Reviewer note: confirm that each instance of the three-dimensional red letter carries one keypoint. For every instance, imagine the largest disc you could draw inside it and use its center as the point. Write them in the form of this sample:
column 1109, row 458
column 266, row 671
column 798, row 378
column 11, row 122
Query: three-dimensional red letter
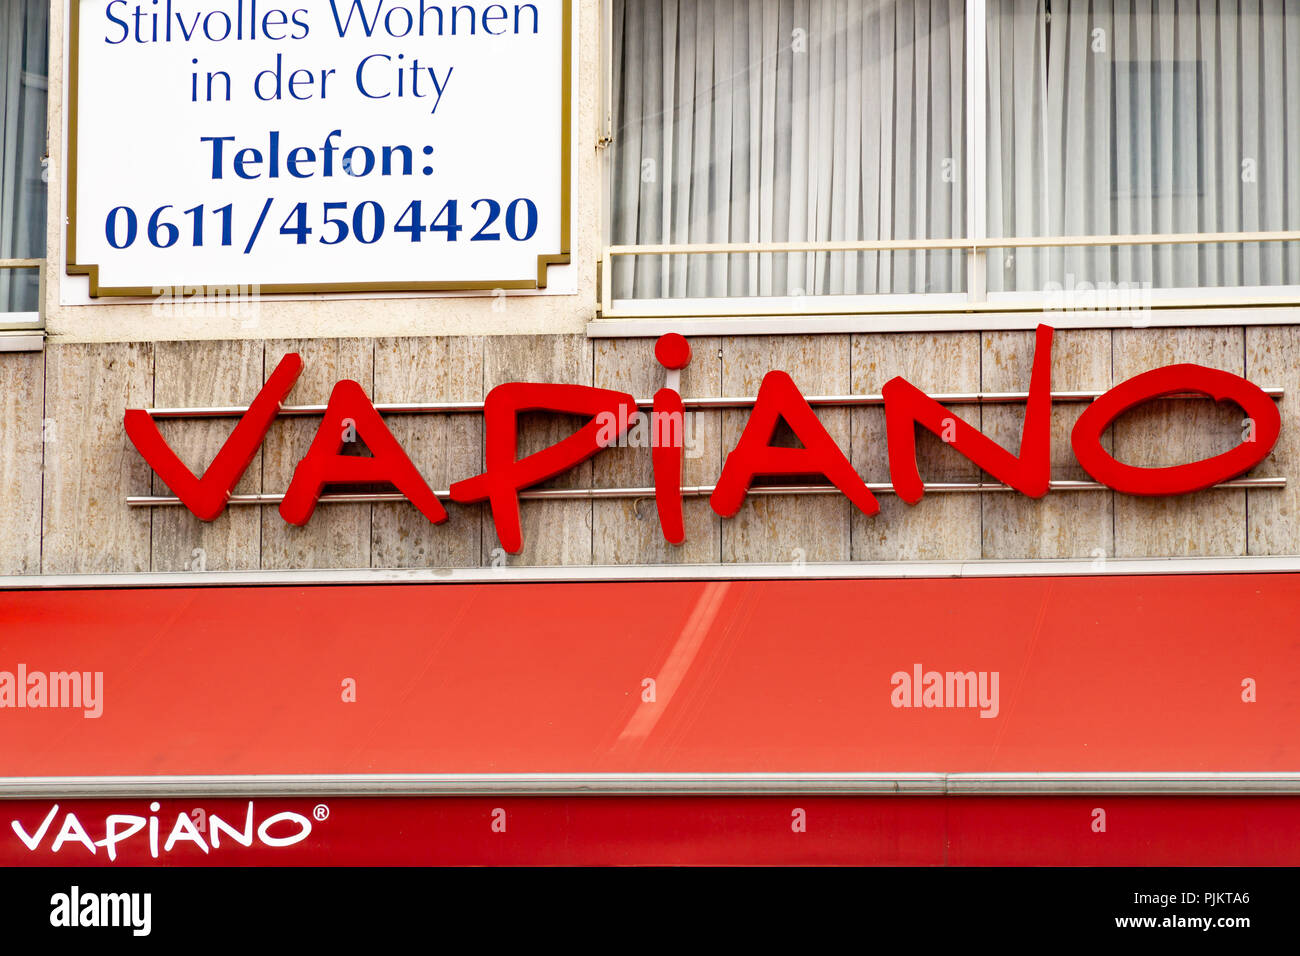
column 1177, row 479
column 506, row 475
column 906, row 406
column 206, row 497
column 779, row 398
column 350, row 411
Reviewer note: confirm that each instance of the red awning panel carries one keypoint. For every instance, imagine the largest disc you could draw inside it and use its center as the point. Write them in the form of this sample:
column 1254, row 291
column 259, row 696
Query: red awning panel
column 663, row 831
column 1102, row 674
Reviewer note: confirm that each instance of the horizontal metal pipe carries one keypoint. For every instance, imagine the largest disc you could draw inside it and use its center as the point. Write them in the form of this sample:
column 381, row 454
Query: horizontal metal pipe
column 695, row 404
column 690, row 491
column 1102, row 566
column 903, row 245
column 555, row 784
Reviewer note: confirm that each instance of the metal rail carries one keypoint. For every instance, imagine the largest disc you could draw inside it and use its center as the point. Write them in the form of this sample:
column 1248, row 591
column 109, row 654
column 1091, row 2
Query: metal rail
column 690, row 491
column 691, row 404
column 504, row 573
column 974, row 299
column 973, row 244
column 598, row 784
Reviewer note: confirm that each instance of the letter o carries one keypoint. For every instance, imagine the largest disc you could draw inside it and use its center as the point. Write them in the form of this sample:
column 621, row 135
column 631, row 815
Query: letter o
column 207, row 26
column 1176, row 479
column 298, row 818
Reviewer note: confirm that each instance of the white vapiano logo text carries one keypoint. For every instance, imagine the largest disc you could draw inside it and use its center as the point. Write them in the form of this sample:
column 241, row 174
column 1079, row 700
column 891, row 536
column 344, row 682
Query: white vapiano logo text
column 946, row 689
column 75, row 908
column 121, row 827
column 37, row 689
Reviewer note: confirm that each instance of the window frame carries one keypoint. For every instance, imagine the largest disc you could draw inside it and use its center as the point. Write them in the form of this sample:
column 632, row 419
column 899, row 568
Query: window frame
column 921, row 311
column 25, row 331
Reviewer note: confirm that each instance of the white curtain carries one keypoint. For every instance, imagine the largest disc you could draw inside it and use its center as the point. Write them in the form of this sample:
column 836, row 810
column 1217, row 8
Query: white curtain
column 788, row 120
column 1135, row 117
column 24, row 42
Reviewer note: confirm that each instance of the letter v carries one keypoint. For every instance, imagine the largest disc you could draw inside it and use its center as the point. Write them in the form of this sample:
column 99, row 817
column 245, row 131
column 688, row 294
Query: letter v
column 32, row 842
column 206, row 497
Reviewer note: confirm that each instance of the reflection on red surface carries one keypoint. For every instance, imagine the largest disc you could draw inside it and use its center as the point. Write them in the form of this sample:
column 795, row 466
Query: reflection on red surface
column 1102, row 674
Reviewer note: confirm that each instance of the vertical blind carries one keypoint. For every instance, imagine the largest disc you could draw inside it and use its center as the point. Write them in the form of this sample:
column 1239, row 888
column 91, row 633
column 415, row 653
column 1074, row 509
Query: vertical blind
column 24, row 41
column 797, row 120
column 1137, row 117
column 788, row 120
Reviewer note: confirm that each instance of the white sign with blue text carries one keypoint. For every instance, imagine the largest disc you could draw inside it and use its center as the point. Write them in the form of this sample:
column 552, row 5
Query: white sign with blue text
column 336, row 146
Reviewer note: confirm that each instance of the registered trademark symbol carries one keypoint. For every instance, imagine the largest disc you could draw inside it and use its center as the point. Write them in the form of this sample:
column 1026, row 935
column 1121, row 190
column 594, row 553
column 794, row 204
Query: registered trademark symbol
column 321, row 812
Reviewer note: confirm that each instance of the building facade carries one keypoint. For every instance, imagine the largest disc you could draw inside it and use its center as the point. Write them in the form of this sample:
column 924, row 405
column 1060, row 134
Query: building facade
column 848, row 191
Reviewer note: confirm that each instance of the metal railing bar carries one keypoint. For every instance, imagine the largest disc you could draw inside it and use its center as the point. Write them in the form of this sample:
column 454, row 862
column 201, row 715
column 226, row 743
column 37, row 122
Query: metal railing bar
column 691, row 404
column 974, row 244
column 690, row 491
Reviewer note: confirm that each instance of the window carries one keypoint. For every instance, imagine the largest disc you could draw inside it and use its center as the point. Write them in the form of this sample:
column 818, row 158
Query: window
column 867, row 155
column 1143, row 117
column 788, row 121
column 24, row 45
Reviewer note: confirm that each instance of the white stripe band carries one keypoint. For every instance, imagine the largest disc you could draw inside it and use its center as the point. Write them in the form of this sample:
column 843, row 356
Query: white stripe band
column 1081, row 567
column 359, row 785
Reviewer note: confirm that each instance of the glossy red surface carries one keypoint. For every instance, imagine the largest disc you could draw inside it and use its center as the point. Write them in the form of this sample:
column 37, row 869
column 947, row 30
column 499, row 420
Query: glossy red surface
column 1102, row 674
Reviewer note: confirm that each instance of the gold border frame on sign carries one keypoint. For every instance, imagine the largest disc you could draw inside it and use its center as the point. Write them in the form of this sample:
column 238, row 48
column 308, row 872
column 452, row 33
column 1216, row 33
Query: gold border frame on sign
column 543, row 261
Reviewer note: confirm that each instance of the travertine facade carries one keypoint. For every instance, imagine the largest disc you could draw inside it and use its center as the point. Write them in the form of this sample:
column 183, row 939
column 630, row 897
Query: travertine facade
column 68, row 465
